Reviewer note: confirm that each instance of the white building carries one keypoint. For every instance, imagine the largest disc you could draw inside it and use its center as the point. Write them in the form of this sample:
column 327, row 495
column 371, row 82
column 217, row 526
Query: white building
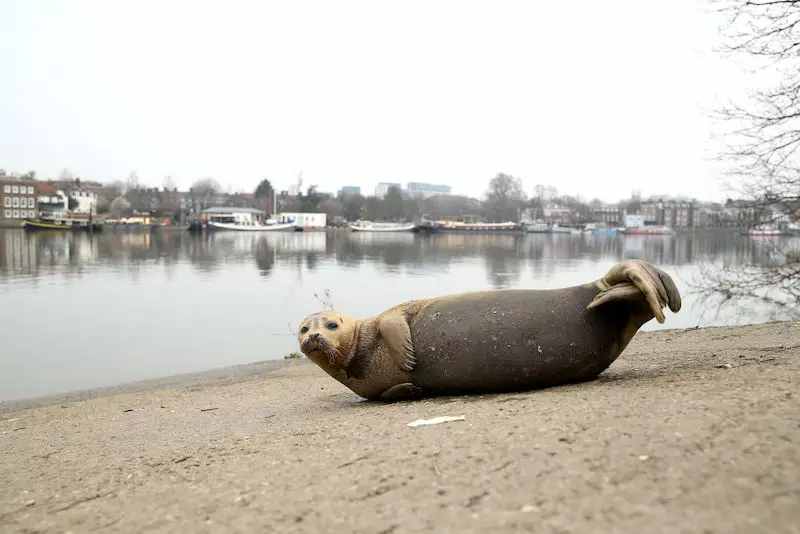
column 52, row 202
column 305, row 220
column 634, row 221
column 86, row 201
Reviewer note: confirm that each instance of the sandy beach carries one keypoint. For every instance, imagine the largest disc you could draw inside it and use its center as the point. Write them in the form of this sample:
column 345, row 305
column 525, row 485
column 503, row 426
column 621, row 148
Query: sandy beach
column 689, row 431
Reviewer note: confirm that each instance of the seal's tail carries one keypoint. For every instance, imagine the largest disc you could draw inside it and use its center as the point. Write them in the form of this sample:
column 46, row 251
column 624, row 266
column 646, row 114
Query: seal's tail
column 634, row 280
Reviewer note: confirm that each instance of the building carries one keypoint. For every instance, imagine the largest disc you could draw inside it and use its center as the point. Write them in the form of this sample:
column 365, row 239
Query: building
column 85, row 200
column 52, row 202
column 19, row 200
column 423, row 190
column 349, row 191
column 557, row 214
column 609, row 214
column 383, row 188
column 674, row 213
column 306, row 220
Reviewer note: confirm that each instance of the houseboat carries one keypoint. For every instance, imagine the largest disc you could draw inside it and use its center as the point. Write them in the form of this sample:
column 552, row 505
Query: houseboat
column 476, row 227
column 64, row 222
column 648, row 230
column 238, row 219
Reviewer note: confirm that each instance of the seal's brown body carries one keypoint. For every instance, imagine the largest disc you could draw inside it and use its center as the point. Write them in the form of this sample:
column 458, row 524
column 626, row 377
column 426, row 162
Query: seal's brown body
column 498, row 341
column 490, row 341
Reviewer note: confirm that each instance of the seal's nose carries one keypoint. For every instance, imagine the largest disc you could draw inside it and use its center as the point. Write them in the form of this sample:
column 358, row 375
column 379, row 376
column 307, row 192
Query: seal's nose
column 314, row 336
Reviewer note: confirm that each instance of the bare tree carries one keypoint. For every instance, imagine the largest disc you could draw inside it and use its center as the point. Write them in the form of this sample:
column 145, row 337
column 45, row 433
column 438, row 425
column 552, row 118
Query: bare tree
column 205, row 190
column 119, row 207
column 169, row 184
column 132, row 183
column 762, row 139
column 504, row 198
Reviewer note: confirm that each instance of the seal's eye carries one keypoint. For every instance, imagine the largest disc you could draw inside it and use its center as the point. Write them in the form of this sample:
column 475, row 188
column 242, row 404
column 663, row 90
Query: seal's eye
column 332, row 326
column 304, row 330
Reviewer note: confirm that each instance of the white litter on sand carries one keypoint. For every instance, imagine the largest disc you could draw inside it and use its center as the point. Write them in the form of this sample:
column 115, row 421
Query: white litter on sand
column 437, row 420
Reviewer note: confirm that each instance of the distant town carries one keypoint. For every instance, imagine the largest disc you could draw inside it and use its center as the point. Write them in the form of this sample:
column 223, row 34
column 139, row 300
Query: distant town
column 24, row 196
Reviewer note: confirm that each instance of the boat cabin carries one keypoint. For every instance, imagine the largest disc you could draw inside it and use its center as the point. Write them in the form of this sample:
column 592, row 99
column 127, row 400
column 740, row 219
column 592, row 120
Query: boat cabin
column 238, row 216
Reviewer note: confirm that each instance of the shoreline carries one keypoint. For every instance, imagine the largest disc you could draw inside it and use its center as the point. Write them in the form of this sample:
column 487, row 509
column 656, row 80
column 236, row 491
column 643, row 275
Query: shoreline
column 234, row 374
column 226, row 375
column 689, row 430
column 230, row 374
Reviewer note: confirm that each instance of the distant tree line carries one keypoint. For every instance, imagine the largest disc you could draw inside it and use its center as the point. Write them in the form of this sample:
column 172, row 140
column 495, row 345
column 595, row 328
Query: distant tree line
column 504, row 200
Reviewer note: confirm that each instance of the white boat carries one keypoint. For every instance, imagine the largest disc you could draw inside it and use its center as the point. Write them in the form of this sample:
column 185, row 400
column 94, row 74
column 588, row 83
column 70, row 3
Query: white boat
column 250, row 226
column 558, row 229
column 369, row 226
column 546, row 228
column 538, row 228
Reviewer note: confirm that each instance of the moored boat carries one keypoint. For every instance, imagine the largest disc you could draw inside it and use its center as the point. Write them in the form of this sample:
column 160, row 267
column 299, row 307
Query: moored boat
column 369, row 226
column 648, row 230
column 599, row 229
column 537, row 228
column 478, row 227
column 62, row 224
column 250, row 226
column 765, row 230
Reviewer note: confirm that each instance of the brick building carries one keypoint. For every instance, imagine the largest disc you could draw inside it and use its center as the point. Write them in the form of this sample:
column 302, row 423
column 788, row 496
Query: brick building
column 609, row 214
column 18, row 200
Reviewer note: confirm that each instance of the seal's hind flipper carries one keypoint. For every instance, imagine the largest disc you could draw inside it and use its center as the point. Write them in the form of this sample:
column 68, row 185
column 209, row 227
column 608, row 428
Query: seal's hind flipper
column 673, row 296
column 404, row 391
column 654, row 285
column 395, row 331
column 623, row 291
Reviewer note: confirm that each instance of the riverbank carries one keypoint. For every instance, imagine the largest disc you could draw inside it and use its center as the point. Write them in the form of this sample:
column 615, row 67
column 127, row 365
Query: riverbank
column 689, row 431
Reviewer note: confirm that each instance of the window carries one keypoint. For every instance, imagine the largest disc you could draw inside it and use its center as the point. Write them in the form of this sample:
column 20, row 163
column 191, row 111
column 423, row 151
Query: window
column 15, row 189
column 8, row 214
column 6, row 188
column 7, row 202
column 14, row 202
column 30, row 189
column 32, row 214
column 30, row 202
column 15, row 214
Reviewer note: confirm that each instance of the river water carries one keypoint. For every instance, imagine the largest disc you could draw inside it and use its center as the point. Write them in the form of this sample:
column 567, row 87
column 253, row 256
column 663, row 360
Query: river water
column 81, row 311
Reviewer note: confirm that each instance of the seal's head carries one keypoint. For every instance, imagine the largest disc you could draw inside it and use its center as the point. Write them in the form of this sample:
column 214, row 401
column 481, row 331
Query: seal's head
column 328, row 336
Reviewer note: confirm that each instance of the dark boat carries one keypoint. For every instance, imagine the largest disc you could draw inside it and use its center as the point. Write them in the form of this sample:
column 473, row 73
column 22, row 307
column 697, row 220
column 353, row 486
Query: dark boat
column 62, row 224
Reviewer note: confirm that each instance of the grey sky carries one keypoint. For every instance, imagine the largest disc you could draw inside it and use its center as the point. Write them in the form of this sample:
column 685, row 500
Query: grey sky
column 596, row 98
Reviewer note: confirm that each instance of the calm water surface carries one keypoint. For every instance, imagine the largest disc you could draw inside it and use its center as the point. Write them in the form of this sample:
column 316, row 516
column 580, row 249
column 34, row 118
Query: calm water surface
column 82, row 311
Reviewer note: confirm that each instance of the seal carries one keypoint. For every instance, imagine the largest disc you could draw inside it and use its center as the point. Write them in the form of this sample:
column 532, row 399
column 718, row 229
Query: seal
column 491, row 341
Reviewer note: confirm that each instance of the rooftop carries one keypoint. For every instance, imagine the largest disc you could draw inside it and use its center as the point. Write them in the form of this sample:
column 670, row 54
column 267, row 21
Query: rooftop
column 46, row 188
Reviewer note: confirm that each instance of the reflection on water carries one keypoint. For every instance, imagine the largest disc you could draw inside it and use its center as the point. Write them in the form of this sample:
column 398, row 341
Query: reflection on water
column 86, row 311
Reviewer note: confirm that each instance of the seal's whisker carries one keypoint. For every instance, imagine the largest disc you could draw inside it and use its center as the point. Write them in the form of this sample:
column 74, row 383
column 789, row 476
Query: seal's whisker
column 333, row 354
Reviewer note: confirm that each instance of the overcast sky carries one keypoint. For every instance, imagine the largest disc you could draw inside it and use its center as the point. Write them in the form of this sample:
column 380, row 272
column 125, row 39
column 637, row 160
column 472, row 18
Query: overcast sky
column 596, row 98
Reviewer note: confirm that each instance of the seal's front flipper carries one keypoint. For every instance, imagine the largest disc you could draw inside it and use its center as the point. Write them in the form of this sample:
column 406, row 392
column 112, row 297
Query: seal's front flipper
column 404, row 391
column 395, row 331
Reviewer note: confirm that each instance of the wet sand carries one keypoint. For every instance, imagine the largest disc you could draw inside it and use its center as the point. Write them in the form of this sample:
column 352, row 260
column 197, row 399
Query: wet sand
column 689, row 431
